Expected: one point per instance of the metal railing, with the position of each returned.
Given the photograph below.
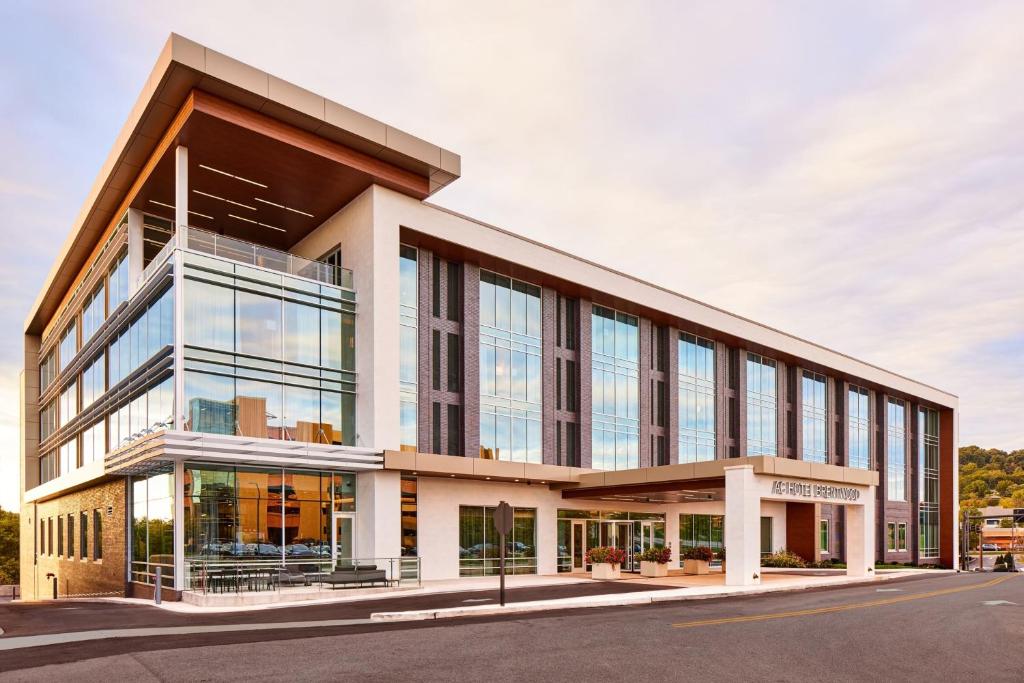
(145, 573)
(248, 253)
(254, 575)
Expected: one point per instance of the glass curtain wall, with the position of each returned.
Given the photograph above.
(762, 406)
(928, 485)
(859, 421)
(266, 513)
(68, 346)
(267, 360)
(701, 530)
(407, 335)
(480, 544)
(896, 449)
(152, 530)
(615, 385)
(696, 398)
(813, 409)
(510, 377)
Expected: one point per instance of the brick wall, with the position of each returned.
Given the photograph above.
(75, 575)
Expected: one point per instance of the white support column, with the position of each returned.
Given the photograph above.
(180, 409)
(672, 536)
(181, 194)
(135, 255)
(179, 526)
(860, 537)
(742, 527)
(378, 514)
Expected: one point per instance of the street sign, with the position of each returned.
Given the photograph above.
(503, 518)
(503, 525)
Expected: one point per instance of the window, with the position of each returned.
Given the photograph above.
(68, 454)
(896, 449)
(823, 536)
(409, 520)
(69, 403)
(83, 538)
(93, 312)
(47, 467)
(762, 406)
(901, 537)
(479, 542)
(510, 374)
(890, 543)
(97, 534)
(859, 415)
(928, 482)
(615, 385)
(60, 537)
(71, 537)
(94, 381)
(572, 448)
(571, 386)
(454, 429)
(407, 353)
(454, 363)
(766, 537)
(813, 409)
(117, 292)
(48, 420)
(49, 535)
(701, 530)
(68, 346)
(696, 398)
(47, 370)
(94, 442)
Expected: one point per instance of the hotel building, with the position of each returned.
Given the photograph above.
(261, 343)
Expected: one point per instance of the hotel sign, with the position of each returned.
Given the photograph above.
(814, 491)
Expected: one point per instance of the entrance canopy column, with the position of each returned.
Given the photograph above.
(860, 538)
(742, 527)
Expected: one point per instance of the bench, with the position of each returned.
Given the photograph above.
(357, 575)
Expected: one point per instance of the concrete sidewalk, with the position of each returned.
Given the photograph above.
(773, 581)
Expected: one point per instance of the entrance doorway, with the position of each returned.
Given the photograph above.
(343, 538)
(578, 551)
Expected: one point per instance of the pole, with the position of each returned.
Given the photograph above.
(159, 584)
(501, 570)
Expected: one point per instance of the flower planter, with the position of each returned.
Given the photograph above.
(695, 567)
(653, 569)
(605, 571)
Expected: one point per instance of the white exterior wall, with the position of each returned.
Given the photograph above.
(378, 514)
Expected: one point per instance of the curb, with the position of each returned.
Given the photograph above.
(648, 598)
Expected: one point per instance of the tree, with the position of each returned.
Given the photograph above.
(9, 560)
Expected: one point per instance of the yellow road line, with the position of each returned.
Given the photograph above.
(841, 608)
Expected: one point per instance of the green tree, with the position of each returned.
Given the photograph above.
(9, 527)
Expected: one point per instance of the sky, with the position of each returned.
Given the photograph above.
(847, 172)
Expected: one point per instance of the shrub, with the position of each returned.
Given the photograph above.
(783, 558)
(700, 552)
(656, 553)
(604, 554)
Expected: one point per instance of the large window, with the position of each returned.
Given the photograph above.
(696, 398)
(68, 345)
(69, 403)
(117, 292)
(859, 417)
(94, 312)
(928, 482)
(151, 331)
(152, 531)
(408, 303)
(94, 379)
(762, 406)
(47, 370)
(146, 413)
(94, 442)
(813, 409)
(896, 449)
(480, 544)
(510, 377)
(701, 530)
(823, 536)
(68, 454)
(48, 419)
(615, 384)
(262, 512)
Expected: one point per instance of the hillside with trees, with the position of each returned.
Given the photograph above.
(989, 476)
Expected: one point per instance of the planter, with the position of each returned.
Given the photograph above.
(653, 569)
(605, 571)
(695, 567)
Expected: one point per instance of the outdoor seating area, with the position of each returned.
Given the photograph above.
(226, 576)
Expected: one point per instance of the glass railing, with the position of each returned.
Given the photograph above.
(211, 243)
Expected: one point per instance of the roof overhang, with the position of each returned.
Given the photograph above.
(458, 467)
(183, 67)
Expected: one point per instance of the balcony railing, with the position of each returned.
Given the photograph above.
(264, 257)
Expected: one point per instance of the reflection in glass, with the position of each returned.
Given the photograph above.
(762, 407)
(859, 428)
(615, 383)
(815, 448)
(896, 450)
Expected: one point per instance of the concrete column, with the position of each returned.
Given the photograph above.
(135, 255)
(179, 526)
(672, 536)
(180, 409)
(742, 527)
(378, 514)
(181, 194)
(860, 537)
(547, 539)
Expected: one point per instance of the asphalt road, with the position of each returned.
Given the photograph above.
(923, 629)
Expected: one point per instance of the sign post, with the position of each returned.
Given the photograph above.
(503, 525)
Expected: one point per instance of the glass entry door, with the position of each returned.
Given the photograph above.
(343, 539)
(578, 550)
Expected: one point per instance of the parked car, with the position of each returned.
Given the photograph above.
(989, 547)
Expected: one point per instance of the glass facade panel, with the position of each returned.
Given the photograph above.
(94, 379)
(409, 517)
(928, 482)
(762, 406)
(94, 312)
(68, 346)
(407, 351)
(479, 542)
(510, 381)
(813, 411)
(859, 421)
(701, 530)
(615, 367)
(69, 403)
(696, 398)
(896, 449)
(117, 292)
